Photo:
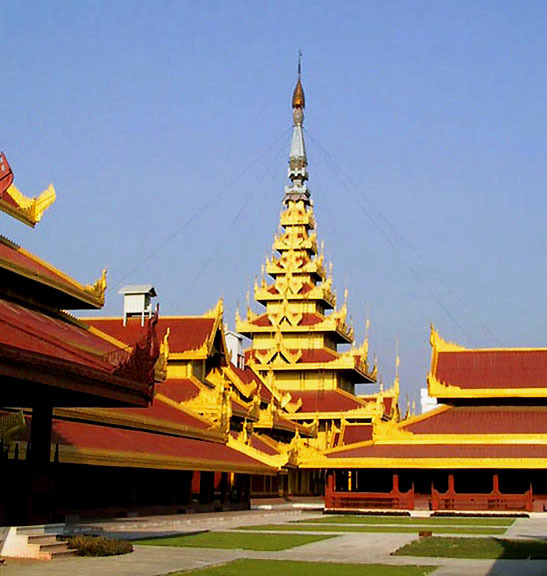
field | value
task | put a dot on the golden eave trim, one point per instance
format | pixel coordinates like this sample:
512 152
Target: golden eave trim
440 463
90 456
28 210
75 289
276 462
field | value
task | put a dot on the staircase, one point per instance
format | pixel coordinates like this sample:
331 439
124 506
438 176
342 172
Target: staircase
38 542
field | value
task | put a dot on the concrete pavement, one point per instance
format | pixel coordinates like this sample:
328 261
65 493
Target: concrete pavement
345 548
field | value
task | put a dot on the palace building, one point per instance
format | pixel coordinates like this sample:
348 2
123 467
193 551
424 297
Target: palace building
483 448
302 340
48 359
147 413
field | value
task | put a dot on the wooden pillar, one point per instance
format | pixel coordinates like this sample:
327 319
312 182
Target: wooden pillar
224 488
451 489
39 492
495 484
395 487
186 487
40 438
206 487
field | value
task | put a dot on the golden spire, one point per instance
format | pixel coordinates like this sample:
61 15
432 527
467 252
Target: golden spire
298 99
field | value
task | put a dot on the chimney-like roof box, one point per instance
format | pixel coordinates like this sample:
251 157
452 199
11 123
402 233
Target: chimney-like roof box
137 301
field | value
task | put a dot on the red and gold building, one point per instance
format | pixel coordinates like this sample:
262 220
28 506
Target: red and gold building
48 358
484 448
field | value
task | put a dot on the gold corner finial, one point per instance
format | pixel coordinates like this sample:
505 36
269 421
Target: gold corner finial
98 288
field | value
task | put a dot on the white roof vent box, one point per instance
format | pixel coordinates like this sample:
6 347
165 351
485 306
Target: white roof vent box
137 301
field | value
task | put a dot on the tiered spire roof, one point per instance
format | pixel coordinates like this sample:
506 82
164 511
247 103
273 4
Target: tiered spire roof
298 335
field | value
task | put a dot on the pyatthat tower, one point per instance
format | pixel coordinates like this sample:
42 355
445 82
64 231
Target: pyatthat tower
295 342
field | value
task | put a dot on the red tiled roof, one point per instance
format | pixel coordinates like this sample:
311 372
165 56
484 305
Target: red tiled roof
66 350
356 433
262 320
178 389
309 356
248 375
186 333
259 443
170 415
192 454
483 420
493 368
326 400
308 319
16 260
388 404
314 355
57 337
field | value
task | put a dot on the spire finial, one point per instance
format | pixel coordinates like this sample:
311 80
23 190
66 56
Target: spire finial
298 173
298 100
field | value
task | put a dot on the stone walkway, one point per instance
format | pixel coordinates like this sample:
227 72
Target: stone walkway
345 548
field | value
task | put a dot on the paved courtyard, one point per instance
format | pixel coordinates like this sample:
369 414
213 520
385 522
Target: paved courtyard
347 547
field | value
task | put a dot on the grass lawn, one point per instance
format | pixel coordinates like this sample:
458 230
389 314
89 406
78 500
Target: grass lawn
475 548
277 567
238 540
363 528
434 520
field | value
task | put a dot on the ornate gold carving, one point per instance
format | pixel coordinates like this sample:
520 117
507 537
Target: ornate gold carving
160 368
439 344
98 288
31 210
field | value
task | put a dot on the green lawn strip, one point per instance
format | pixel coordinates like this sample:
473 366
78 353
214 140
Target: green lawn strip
239 540
494 548
402 529
434 520
290 568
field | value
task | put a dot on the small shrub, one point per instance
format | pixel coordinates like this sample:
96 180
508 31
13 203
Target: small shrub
99 546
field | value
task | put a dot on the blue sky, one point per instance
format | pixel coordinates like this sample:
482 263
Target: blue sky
165 129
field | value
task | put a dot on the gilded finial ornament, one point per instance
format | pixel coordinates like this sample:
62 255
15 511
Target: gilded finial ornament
16 204
298 99
98 288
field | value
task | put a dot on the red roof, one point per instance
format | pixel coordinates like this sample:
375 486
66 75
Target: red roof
356 433
493 368
55 336
483 420
248 376
259 443
64 354
178 389
326 400
388 404
308 319
160 411
456 451
70 293
193 454
309 356
186 333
